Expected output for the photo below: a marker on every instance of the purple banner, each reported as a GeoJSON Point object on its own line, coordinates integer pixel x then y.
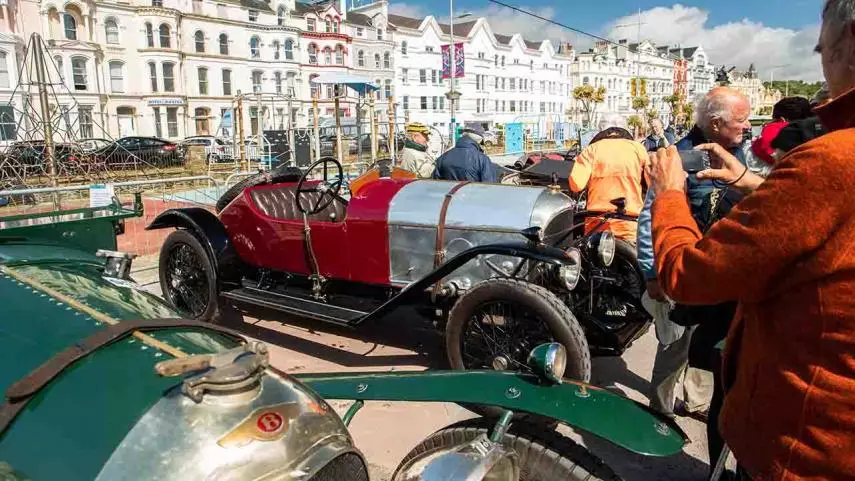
{"type": "Point", "coordinates": [458, 61]}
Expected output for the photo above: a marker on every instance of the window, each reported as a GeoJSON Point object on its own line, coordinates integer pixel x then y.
{"type": "Point", "coordinates": [278, 80]}
{"type": "Point", "coordinates": [168, 77]}
{"type": "Point", "coordinates": [435, 103]}
{"type": "Point", "coordinates": [387, 61]}
{"type": "Point", "coordinates": [290, 81]}
{"type": "Point", "coordinates": [202, 73]}
{"type": "Point", "coordinates": [513, 84]}
{"type": "Point", "coordinates": [330, 91]}
{"type": "Point", "coordinates": [513, 106]}
{"type": "Point", "coordinates": [388, 88]}
{"type": "Point", "coordinates": [157, 3]}
{"type": "Point", "coordinates": [335, 26]}
{"type": "Point", "coordinates": [152, 75]}
{"type": "Point", "coordinates": [497, 83]}
{"type": "Point", "coordinates": [422, 76]}
{"type": "Point", "coordinates": [441, 103]}
{"type": "Point", "coordinates": [404, 76]}
{"type": "Point", "coordinates": [280, 15]}
{"type": "Point", "coordinates": [339, 55]}
{"type": "Point", "coordinates": [253, 15]}
{"type": "Point", "coordinates": [289, 49]}
{"type": "Point", "coordinates": [254, 47]}
{"type": "Point", "coordinates": [379, 34]}
{"type": "Point", "coordinates": [315, 89]}
{"type": "Point", "coordinates": [256, 80]}
{"type": "Point", "coordinates": [496, 60]}
{"type": "Point", "coordinates": [477, 106]}
{"type": "Point", "coordinates": [405, 103]}
{"type": "Point", "coordinates": [428, 49]}
{"type": "Point", "coordinates": [404, 47]}
{"type": "Point", "coordinates": [328, 25]}
{"type": "Point", "coordinates": [313, 54]}
{"type": "Point", "coordinates": [360, 58]}
{"type": "Point", "coordinates": [117, 78]}
{"type": "Point", "coordinates": [70, 26]}
{"type": "Point", "coordinates": [377, 60]}
{"type": "Point", "coordinates": [424, 103]}
{"type": "Point", "coordinates": [158, 122]}
{"type": "Point", "coordinates": [202, 116]}
{"type": "Point", "coordinates": [434, 76]}
{"type": "Point", "coordinates": [481, 55]}
{"type": "Point", "coordinates": [276, 50]}
{"type": "Point", "coordinates": [164, 35]}
{"type": "Point", "coordinates": [111, 28]}
{"type": "Point", "coordinates": [78, 73]}
{"type": "Point", "coordinates": [224, 44]}
{"type": "Point", "coordinates": [227, 81]}
{"type": "Point", "coordinates": [310, 24]}
{"type": "Point", "coordinates": [360, 31]}
{"type": "Point", "coordinates": [84, 119]}
{"type": "Point", "coordinates": [327, 56]}
{"type": "Point", "coordinates": [4, 70]}
{"type": "Point", "coordinates": [199, 40]}
{"type": "Point", "coordinates": [503, 60]}
{"type": "Point", "coordinates": [172, 121]}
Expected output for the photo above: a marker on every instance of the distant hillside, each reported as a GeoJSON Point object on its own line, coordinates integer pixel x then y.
{"type": "Point", "coordinates": [796, 87]}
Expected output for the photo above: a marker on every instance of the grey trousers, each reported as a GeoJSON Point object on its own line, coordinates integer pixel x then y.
{"type": "Point", "coordinates": [670, 368]}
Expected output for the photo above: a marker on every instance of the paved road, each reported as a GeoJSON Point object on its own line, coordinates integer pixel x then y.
{"type": "Point", "coordinates": [385, 431]}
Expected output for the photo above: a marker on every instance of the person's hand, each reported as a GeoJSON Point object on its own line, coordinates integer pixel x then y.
{"type": "Point", "coordinates": [728, 169]}
{"type": "Point", "coordinates": [665, 171]}
{"type": "Point", "coordinates": [654, 291]}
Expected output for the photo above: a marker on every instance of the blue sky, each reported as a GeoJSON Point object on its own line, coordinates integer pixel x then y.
{"type": "Point", "coordinates": [777, 37]}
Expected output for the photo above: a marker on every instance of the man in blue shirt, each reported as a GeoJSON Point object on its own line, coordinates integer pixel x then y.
{"type": "Point", "coordinates": [722, 116]}
{"type": "Point", "coordinates": [467, 160]}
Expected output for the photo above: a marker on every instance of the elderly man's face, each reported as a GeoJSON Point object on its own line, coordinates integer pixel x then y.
{"type": "Point", "coordinates": [730, 133]}
{"type": "Point", "coordinates": [835, 46]}
{"type": "Point", "coordinates": [657, 128]}
{"type": "Point", "coordinates": [419, 138]}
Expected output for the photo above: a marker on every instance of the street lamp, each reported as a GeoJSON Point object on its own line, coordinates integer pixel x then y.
{"type": "Point", "coordinates": [452, 94]}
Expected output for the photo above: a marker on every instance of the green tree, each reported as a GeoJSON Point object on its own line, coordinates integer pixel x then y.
{"type": "Point", "coordinates": [640, 103]}
{"type": "Point", "coordinates": [675, 103]}
{"type": "Point", "coordinates": [635, 123]}
{"type": "Point", "coordinates": [589, 97]}
{"type": "Point", "coordinates": [794, 87]}
{"type": "Point", "coordinates": [652, 114]}
{"type": "Point", "coordinates": [688, 112]}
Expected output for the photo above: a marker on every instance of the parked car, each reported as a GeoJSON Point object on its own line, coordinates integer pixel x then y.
{"type": "Point", "coordinates": [93, 144]}
{"type": "Point", "coordinates": [216, 149]}
{"type": "Point", "coordinates": [114, 385]}
{"type": "Point", "coordinates": [25, 158]}
{"type": "Point", "coordinates": [491, 138]}
{"type": "Point", "coordinates": [476, 253]}
{"type": "Point", "coordinates": [141, 152]}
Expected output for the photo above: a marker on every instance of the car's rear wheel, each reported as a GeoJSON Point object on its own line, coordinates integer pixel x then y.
{"type": "Point", "coordinates": [544, 455]}
{"type": "Point", "coordinates": [188, 279]}
{"type": "Point", "coordinates": [497, 323]}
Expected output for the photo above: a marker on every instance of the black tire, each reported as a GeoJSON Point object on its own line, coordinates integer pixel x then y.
{"type": "Point", "coordinates": [544, 455]}
{"type": "Point", "coordinates": [214, 309]}
{"type": "Point", "coordinates": [559, 320]}
{"type": "Point", "coordinates": [627, 255]}
{"type": "Point", "coordinates": [279, 174]}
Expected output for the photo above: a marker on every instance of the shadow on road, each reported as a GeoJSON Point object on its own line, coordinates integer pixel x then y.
{"type": "Point", "coordinates": [402, 329]}
{"type": "Point", "coordinates": [609, 372]}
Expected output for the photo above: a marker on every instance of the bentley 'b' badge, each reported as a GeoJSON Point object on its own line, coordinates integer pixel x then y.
{"type": "Point", "coordinates": [266, 424]}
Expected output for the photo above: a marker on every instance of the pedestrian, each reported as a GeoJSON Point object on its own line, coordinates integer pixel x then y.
{"type": "Point", "coordinates": [722, 118]}
{"type": "Point", "coordinates": [786, 110]}
{"type": "Point", "coordinates": [784, 253]}
{"type": "Point", "coordinates": [467, 160]}
{"type": "Point", "coordinates": [611, 167]}
{"type": "Point", "coordinates": [798, 132]}
{"type": "Point", "coordinates": [414, 155]}
{"type": "Point", "coordinates": [659, 138]}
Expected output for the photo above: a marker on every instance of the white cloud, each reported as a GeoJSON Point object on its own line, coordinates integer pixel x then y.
{"type": "Point", "coordinates": [508, 22]}
{"type": "Point", "coordinates": [408, 10]}
{"type": "Point", "coordinates": [734, 44]}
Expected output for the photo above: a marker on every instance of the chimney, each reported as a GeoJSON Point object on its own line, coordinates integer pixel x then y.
{"type": "Point", "coordinates": [565, 48]}
{"type": "Point", "coordinates": [622, 41]}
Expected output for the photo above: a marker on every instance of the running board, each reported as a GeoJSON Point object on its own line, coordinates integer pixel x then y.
{"type": "Point", "coordinates": [299, 306]}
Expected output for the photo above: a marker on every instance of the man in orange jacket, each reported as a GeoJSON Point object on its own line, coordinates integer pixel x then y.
{"type": "Point", "coordinates": [785, 252]}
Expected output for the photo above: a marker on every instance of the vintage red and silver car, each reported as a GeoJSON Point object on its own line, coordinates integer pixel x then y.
{"type": "Point", "coordinates": [503, 268]}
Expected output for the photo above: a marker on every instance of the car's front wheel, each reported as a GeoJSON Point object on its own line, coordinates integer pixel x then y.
{"type": "Point", "coordinates": [188, 279]}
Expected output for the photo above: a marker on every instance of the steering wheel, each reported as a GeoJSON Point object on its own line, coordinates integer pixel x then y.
{"type": "Point", "coordinates": [329, 191]}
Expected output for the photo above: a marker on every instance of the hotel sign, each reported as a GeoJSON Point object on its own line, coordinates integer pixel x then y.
{"type": "Point", "coordinates": [165, 101]}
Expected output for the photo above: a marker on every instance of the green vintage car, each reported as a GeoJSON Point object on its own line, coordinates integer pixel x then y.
{"type": "Point", "coordinates": [104, 381]}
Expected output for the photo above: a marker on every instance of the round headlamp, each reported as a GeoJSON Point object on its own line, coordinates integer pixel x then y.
{"type": "Point", "coordinates": [606, 247]}
{"type": "Point", "coordinates": [549, 360]}
{"type": "Point", "coordinates": [568, 274]}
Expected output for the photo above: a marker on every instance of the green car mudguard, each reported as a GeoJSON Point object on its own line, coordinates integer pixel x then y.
{"type": "Point", "coordinates": [595, 410]}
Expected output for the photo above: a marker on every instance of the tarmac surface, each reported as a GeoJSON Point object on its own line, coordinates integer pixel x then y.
{"type": "Point", "coordinates": [387, 431]}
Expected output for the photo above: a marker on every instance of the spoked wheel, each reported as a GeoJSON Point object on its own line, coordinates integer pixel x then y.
{"type": "Point", "coordinates": [544, 455]}
{"type": "Point", "coordinates": [497, 323]}
{"type": "Point", "coordinates": [188, 279]}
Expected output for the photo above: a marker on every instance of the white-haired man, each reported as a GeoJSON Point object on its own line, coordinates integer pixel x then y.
{"type": "Point", "coordinates": [722, 117]}
{"type": "Point", "coordinates": [785, 254]}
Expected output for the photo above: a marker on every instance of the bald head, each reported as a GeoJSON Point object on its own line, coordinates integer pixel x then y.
{"type": "Point", "coordinates": [723, 116]}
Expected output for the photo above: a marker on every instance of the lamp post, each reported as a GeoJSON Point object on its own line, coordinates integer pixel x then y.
{"type": "Point", "coordinates": [452, 94]}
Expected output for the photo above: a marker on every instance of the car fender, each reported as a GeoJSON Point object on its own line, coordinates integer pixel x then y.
{"type": "Point", "coordinates": [598, 411]}
{"type": "Point", "coordinates": [211, 232]}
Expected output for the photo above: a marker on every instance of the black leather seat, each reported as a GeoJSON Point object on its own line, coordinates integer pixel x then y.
{"type": "Point", "coordinates": [280, 202]}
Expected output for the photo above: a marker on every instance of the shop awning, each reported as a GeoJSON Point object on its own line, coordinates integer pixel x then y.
{"type": "Point", "coordinates": [361, 85]}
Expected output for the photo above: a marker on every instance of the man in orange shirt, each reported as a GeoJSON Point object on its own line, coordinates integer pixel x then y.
{"type": "Point", "coordinates": [785, 253]}
{"type": "Point", "coordinates": [611, 167]}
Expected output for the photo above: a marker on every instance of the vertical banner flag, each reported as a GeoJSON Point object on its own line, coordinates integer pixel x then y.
{"type": "Point", "coordinates": [458, 61]}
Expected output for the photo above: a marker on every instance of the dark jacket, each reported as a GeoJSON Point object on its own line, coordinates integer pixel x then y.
{"type": "Point", "coordinates": [798, 132]}
{"type": "Point", "coordinates": [466, 161]}
{"type": "Point", "coordinates": [652, 144]}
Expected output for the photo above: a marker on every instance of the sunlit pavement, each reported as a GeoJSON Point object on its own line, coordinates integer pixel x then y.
{"type": "Point", "coordinates": [385, 432]}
